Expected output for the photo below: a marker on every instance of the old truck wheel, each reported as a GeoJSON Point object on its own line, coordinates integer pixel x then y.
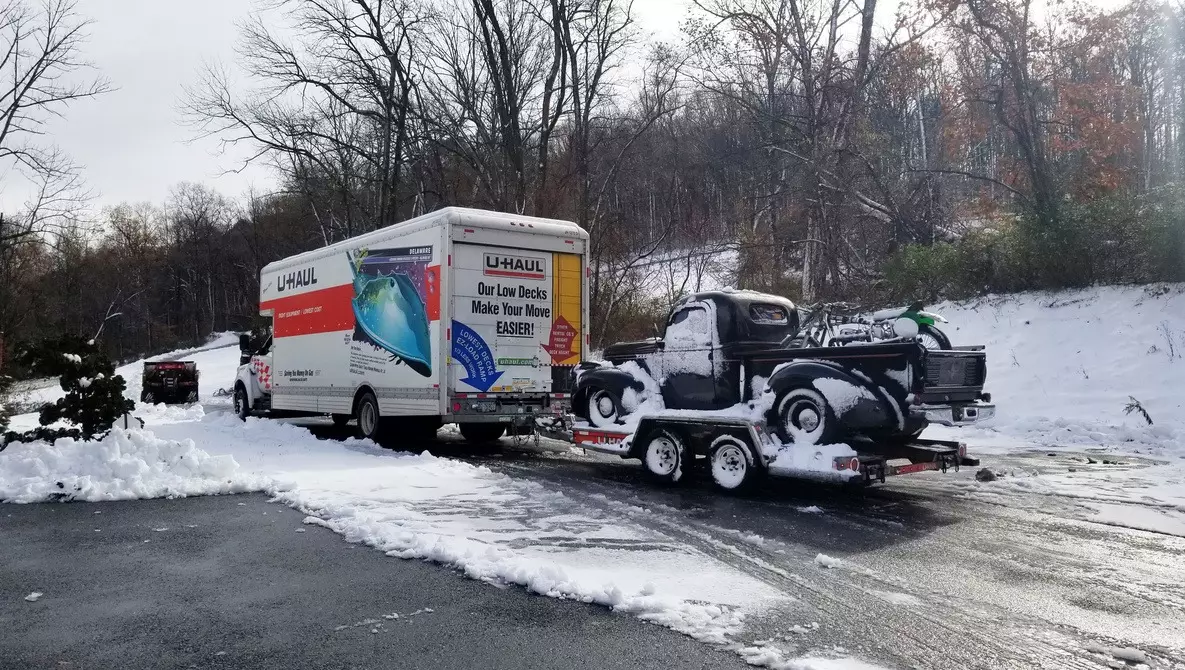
{"type": "Point", "coordinates": [604, 409]}
{"type": "Point", "coordinates": [242, 409]}
{"type": "Point", "coordinates": [481, 433]}
{"type": "Point", "coordinates": [663, 457]}
{"type": "Point", "coordinates": [733, 466]}
{"type": "Point", "coordinates": [369, 419]}
{"type": "Point", "coordinates": [805, 417]}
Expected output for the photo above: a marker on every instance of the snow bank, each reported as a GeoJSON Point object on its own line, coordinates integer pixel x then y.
{"type": "Point", "coordinates": [1062, 366]}
{"type": "Point", "coordinates": [125, 465]}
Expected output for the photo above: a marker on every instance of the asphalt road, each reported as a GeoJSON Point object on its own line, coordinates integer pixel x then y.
{"type": "Point", "coordinates": [930, 576]}
{"type": "Point", "coordinates": [238, 582]}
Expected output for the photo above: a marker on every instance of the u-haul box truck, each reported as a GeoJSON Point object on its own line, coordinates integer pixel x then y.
{"type": "Point", "coordinates": [460, 315]}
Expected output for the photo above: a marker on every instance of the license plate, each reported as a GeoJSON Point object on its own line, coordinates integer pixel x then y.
{"type": "Point", "coordinates": [914, 467]}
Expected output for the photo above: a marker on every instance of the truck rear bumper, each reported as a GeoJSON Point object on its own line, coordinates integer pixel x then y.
{"type": "Point", "coordinates": [955, 414]}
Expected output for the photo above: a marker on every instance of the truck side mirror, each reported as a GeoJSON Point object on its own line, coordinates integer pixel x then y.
{"type": "Point", "coordinates": [244, 348]}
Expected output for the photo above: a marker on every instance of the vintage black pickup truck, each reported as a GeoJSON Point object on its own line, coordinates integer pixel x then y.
{"type": "Point", "coordinates": [722, 348]}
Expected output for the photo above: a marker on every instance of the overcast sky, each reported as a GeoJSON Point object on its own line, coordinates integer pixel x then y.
{"type": "Point", "coordinates": [131, 141]}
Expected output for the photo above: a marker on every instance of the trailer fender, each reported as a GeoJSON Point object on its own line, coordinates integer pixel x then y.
{"type": "Point", "coordinates": [856, 403]}
{"type": "Point", "coordinates": [611, 379]}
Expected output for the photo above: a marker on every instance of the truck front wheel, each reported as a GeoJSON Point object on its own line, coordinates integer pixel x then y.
{"type": "Point", "coordinates": [369, 419]}
{"type": "Point", "coordinates": [242, 408]}
{"type": "Point", "coordinates": [603, 408]}
{"type": "Point", "coordinates": [805, 417]}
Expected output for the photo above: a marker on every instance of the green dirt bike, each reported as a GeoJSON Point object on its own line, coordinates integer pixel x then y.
{"type": "Point", "coordinates": [822, 326]}
{"type": "Point", "coordinates": [893, 323]}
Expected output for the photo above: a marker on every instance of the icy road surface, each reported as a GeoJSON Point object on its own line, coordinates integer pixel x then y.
{"type": "Point", "coordinates": [926, 572]}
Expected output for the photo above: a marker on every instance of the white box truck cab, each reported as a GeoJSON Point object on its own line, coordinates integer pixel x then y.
{"type": "Point", "coordinates": [458, 316]}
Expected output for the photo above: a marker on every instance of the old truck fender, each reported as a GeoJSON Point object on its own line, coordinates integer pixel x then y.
{"type": "Point", "coordinates": [857, 403]}
{"type": "Point", "coordinates": [611, 379]}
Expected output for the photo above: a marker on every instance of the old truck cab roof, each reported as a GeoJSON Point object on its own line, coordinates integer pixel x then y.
{"type": "Point", "coordinates": [746, 316]}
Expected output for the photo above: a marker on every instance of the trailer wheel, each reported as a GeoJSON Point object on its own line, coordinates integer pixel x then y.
{"type": "Point", "coordinates": [663, 457]}
{"type": "Point", "coordinates": [369, 419]}
{"type": "Point", "coordinates": [242, 409]}
{"type": "Point", "coordinates": [805, 417]}
{"type": "Point", "coordinates": [603, 408]}
{"type": "Point", "coordinates": [733, 467]}
{"type": "Point", "coordinates": [481, 433]}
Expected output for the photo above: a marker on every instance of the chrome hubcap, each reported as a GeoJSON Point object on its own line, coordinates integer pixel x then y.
{"type": "Point", "coordinates": [605, 406]}
{"type": "Point", "coordinates": [808, 419]}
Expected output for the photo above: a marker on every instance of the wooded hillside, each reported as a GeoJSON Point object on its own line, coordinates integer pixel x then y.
{"type": "Point", "coordinates": [956, 147]}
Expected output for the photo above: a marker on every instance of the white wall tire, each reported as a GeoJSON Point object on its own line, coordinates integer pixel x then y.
{"type": "Point", "coordinates": [662, 457]}
{"type": "Point", "coordinates": [602, 408]}
{"type": "Point", "coordinates": [804, 417]}
{"type": "Point", "coordinates": [732, 465]}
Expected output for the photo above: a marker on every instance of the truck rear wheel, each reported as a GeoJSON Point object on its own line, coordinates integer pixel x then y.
{"type": "Point", "coordinates": [481, 433]}
{"type": "Point", "coordinates": [734, 468]}
{"type": "Point", "coordinates": [369, 420]}
{"type": "Point", "coordinates": [663, 457]}
{"type": "Point", "coordinates": [805, 417]}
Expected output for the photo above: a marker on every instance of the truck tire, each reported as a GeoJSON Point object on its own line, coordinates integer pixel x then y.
{"type": "Point", "coordinates": [242, 409]}
{"type": "Point", "coordinates": [803, 416]}
{"type": "Point", "coordinates": [340, 420]}
{"type": "Point", "coordinates": [370, 421]}
{"type": "Point", "coordinates": [481, 433]}
{"type": "Point", "coordinates": [662, 457]}
{"type": "Point", "coordinates": [603, 407]}
{"type": "Point", "coordinates": [733, 465]}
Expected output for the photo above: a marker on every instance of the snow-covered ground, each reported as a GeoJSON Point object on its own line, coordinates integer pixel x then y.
{"type": "Point", "coordinates": [1061, 370]}
{"type": "Point", "coordinates": [1062, 367]}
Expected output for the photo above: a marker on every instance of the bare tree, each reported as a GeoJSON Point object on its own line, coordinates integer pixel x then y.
{"type": "Point", "coordinates": [40, 61]}
{"type": "Point", "coordinates": [334, 106]}
{"type": "Point", "coordinates": [41, 72]}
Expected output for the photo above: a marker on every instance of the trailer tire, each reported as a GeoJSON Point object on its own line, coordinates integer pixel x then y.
{"type": "Point", "coordinates": [603, 408]}
{"type": "Point", "coordinates": [242, 408]}
{"type": "Point", "coordinates": [803, 416]}
{"type": "Point", "coordinates": [482, 433]}
{"type": "Point", "coordinates": [733, 465]}
{"type": "Point", "coordinates": [663, 456]}
{"type": "Point", "coordinates": [370, 421]}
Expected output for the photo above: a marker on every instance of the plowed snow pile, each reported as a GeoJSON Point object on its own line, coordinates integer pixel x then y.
{"type": "Point", "coordinates": [125, 465]}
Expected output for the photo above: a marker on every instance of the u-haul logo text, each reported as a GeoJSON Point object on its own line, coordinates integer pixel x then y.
{"type": "Point", "coordinates": [519, 267]}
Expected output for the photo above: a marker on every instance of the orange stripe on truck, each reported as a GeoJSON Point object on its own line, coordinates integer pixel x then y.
{"type": "Point", "coordinates": [322, 311]}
